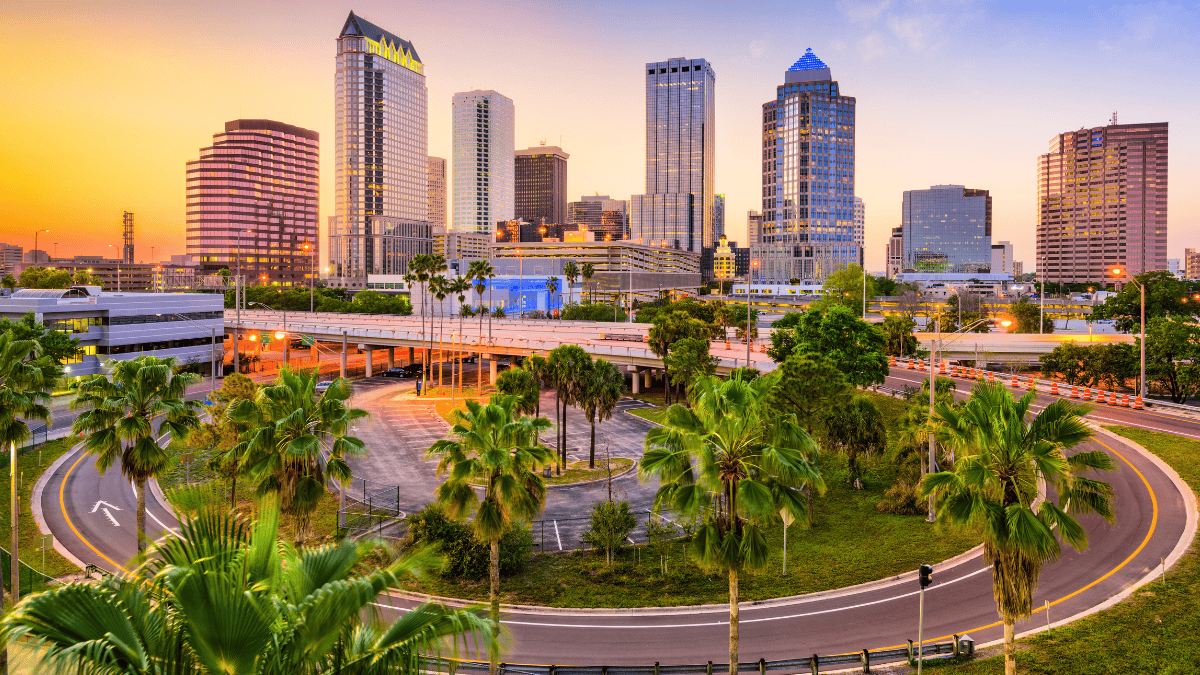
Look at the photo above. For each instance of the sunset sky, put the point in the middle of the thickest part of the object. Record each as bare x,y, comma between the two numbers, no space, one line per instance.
102,103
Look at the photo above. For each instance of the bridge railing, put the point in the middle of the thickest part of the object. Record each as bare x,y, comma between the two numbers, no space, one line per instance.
958,647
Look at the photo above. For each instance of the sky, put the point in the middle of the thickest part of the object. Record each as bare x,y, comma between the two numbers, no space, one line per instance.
102,104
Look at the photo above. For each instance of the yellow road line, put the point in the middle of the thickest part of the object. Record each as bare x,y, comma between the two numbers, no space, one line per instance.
62,504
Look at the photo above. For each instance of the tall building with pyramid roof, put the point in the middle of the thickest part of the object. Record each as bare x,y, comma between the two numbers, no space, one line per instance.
808,220
381,145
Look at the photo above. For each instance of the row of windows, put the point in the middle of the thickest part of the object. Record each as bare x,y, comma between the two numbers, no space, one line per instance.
152,346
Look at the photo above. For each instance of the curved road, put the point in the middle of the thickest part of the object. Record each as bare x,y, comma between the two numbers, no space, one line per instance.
1151,519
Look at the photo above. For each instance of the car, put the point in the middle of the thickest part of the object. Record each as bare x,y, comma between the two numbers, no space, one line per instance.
394,372
322,386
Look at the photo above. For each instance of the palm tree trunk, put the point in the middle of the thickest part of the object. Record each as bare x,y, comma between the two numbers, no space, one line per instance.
733,620
494,599
564,434
1010,646
592,455
480,363
141,516
558,432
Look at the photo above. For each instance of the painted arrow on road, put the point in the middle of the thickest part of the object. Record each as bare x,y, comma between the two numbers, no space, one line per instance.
107,506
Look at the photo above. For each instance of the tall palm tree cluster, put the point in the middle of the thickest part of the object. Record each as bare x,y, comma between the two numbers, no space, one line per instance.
428,271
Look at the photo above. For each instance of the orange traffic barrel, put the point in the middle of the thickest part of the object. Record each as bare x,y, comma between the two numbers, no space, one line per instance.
943,370
727,344
1100,398
1137,403
1032,383
991,377
910,364
1087,394
1074,391
892,362
1054,387
1015,384
1125,400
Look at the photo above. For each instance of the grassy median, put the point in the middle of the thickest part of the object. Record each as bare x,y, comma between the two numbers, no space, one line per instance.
1154,631
29,468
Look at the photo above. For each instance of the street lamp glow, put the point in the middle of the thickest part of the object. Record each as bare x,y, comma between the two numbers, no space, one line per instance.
1006,323
279,335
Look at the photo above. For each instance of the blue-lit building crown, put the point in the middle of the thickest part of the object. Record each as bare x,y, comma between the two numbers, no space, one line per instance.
808,62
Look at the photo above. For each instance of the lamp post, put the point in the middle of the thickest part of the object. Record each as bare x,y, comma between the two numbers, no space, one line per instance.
1042,295
238,288
118,269
934,345
311,273
749,283
35,238
212,330
1142,390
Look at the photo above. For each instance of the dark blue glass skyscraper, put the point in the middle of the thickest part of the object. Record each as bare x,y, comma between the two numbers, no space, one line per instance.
808,177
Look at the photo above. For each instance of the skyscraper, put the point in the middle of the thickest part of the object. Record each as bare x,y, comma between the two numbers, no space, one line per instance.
484,144
677,208
1102,203
253,195
947,228
381,140
753,228
540,185
860,227
895,253
808,176
437,192
718,217
1002,261
608,218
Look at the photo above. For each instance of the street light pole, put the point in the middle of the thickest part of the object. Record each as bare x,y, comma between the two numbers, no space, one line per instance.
35,245
1042,295
212,342
1142,388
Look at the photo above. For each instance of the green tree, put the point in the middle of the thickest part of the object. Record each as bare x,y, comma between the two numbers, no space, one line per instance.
856,347
9,282
809,386
223,598
602,388
1002,457
1069,360
1173,356
899,337
587,271
221,433
844,287
85,278
884,286
45,277
1026,314
374,302
523,385
569,365
856,429
119,412
608,527
740,325
552,286
688,360
57,346
731,466
494,446
295,439
1165,296
571,272
669,329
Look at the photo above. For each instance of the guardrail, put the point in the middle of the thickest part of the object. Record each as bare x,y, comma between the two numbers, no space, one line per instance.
958,647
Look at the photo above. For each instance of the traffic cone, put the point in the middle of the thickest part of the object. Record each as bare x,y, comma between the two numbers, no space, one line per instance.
943,370
1015,385
991,377
727,344
1100,398
1032,383
891,362
1074,391
1087,394
1054,387
1125,400
910,364
1137,403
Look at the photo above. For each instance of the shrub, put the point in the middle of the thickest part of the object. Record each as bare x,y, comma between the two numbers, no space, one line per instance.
903,499
610,525
466,557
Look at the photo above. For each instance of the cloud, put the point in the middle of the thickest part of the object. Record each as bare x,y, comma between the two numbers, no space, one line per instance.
838,45
858,10
917,31
758,48
871,47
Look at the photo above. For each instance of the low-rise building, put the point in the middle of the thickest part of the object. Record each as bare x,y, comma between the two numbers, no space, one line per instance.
945,284
620,267
111,325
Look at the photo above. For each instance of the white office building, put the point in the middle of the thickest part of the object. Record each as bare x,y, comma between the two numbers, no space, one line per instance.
484,148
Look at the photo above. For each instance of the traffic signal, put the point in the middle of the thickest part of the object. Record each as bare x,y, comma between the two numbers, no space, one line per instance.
926,575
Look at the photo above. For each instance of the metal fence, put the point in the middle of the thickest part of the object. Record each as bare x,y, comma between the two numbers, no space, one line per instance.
565,534
370,508
957,647
31,580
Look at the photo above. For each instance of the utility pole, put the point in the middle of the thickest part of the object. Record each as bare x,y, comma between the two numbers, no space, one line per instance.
924,577
933,349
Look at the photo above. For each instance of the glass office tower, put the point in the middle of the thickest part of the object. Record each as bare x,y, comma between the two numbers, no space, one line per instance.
484,164
381,168
947,228
807,177
677,209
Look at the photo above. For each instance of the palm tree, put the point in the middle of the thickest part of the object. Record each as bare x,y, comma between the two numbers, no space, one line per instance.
493,445
119,420
551,289
225,598
419,268
1002,457
438,287
296,439
481,271
587,271
522,384
571,272
540,367
569,365
732,465
602,388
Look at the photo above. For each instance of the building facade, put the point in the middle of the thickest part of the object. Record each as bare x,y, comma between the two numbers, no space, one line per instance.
808,142
895,253
461,245
484,143
753,228
619,266
10,258
540,185
718,217
252,203
677,207
1102,203
723,259
437,192
381,140
947,228
860,227
1002,258
608,218
1191,264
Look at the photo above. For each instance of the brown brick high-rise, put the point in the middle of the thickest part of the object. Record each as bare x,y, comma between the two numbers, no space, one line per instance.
1102,203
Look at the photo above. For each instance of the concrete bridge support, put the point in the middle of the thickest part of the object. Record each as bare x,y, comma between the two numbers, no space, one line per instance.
412,357
492,368
369,351
343,371
636,381
391,357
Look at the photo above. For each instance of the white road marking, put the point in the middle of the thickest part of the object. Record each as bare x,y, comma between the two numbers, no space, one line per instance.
110,517
96,507
725,623
150,513
556,535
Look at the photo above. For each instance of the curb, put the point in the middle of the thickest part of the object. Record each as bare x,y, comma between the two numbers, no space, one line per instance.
35,498
1181,547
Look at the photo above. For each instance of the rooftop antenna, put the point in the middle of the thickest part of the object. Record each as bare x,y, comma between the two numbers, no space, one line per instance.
127,221
1113,121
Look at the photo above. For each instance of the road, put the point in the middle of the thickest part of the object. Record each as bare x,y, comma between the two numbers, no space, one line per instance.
1151,519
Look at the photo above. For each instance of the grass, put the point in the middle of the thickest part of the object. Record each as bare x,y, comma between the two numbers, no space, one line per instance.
1154,631
654,414
818,559
578,472
29,468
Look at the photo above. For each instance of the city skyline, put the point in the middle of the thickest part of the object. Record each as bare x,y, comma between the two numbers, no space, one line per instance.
927,79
